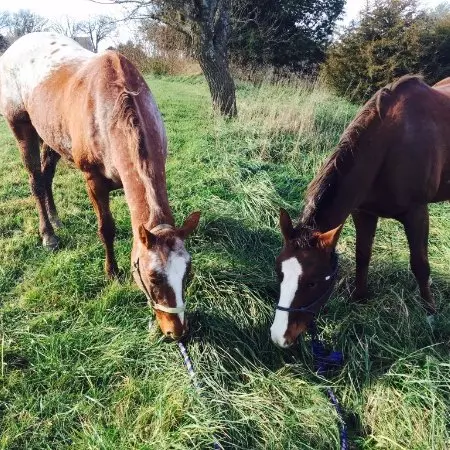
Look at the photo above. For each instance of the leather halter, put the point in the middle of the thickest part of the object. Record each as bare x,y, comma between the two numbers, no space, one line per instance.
314,306
153,304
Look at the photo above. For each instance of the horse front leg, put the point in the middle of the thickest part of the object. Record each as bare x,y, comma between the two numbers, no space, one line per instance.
416,224
365,225
98,190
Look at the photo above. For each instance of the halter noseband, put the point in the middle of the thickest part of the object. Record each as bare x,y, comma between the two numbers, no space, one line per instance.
153,304
311,308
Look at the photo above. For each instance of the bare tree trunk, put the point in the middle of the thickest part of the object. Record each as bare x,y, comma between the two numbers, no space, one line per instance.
221,85
207,24
214,32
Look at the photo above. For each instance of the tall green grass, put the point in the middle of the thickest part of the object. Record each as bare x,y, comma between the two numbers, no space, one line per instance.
79,368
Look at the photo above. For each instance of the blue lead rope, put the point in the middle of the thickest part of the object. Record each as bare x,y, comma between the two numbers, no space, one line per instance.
323,363
195,382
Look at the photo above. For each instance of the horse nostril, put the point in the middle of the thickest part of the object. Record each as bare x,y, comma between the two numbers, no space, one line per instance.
169,333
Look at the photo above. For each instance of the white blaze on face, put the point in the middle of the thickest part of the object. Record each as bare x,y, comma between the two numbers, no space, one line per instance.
292,270
175,272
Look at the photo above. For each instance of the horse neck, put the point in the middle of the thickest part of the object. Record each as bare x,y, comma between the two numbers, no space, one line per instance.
344,181
142,173
146,198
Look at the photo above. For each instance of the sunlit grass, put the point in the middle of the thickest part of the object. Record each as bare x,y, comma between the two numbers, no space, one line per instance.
80,369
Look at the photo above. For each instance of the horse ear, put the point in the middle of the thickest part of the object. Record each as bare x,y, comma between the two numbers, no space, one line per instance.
287,230
147,238
189,225
329,239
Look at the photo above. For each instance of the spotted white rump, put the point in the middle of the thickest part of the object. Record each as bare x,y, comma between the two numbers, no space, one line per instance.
30,60
292,271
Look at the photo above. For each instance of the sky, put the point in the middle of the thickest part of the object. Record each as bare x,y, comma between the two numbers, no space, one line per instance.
82,9
352,7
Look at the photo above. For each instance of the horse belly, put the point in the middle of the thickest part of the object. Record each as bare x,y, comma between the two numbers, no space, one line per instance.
391,197
443,192
60,142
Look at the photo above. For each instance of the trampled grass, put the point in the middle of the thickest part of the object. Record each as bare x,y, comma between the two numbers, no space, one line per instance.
80,370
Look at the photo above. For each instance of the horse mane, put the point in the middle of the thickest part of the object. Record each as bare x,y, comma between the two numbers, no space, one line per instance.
131,116
320,191
126,119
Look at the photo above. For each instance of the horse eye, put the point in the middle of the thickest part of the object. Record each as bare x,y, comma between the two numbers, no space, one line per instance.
155,281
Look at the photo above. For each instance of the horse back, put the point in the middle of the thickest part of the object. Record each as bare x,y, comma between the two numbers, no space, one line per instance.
28,62
85,106
415,130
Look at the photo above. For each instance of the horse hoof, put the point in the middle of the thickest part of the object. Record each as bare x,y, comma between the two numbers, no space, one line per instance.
50,242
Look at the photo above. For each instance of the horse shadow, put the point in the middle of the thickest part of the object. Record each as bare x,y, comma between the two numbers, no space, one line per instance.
392,312
254,252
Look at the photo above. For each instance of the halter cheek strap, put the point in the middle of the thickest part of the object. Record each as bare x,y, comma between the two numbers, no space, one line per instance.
153,304
316,304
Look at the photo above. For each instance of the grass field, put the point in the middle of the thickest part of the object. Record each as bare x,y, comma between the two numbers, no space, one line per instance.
80,370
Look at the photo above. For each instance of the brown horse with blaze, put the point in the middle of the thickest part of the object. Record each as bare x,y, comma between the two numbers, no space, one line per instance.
96,111
392,160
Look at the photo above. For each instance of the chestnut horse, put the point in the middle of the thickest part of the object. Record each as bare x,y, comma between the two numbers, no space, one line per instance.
392,160
97,112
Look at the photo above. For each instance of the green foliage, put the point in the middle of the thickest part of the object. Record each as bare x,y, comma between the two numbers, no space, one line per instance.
79,370
436,41
292,34
391,39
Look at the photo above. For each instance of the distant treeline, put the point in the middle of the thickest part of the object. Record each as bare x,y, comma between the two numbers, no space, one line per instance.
389,39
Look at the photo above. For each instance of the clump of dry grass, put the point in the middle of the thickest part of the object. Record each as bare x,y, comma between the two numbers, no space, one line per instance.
172,65
287,118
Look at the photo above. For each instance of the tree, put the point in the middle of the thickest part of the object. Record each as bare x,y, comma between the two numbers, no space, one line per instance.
390,40
4,20
98,29
135,54
207,24
4,23
164,41
24,21
282,33
67,26
4,43
435,61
